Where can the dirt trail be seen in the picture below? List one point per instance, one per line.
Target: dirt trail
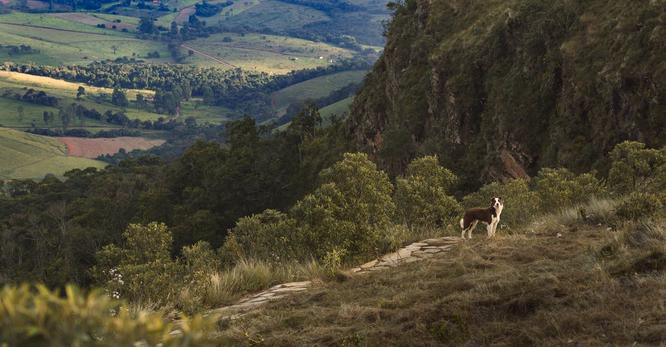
(416, 251)
(209, 56)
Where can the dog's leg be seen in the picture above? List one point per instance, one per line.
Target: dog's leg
(489, 229)
(463, 233)
(471, 228)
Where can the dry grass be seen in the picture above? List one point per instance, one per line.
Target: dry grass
(48, 82)
(588, 287)
(248, 276)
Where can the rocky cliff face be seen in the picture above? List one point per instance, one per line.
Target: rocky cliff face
(500, 88)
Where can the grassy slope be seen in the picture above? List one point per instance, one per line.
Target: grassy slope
(314, 88)
(16, 82)
(338, 108)
(62, 41)
(268, 53)
(25, 155)
(589, 286)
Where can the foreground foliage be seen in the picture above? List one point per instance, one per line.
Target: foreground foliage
(37, 316)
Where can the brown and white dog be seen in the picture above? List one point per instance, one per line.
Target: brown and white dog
(489, 216)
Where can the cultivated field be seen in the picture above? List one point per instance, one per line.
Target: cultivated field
(267, 53)
(271, 14)
(25, 155)
(313, 89)
(93, 19)
(64, 40)
(92, 148)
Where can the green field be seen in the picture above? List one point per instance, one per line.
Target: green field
(62, 41)
(272, 15)
(267, 53)
(336, 109)
(313, 89)
(25, 155)
(96, 98)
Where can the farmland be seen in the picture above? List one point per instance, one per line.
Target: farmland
(92, 148)
(266, 53)
(66, 40)
(25, 155)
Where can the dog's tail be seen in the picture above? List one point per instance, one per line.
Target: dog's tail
(462, 223)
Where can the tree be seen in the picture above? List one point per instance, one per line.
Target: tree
(350, 212)
(140, 270)
(637, 168)
(65, 114)
(80, 92)
(140, 100)
(114, 48)
(561, 188)
(119, 98)
(208, 96)
(174, 29)
(19, 113)
(422, 195)
(146, 25)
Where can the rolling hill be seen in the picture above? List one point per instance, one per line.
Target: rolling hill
(25, 155)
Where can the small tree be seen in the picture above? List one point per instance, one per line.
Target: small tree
(141, 270)
(19, 113)
(350, 212)
(119, 98)
(422, 194)
(561, 188)
(635, 167)
(80, 92)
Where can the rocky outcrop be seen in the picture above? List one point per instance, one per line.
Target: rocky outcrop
(500, 89)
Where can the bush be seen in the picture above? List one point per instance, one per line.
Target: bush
(37, 316)
(635, 168)
(349, 212)
(560, 188)
(520, 204)
(422, 197)
(639, 206)
(270, 236)
(142, 270)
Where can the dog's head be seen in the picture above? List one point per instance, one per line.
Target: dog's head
(497, 203)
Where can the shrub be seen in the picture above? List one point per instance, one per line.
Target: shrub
(142, 269)
(635, 167)
(560, 188)
(349, 211)
(37, 316)
(520, 204)
(422, 197)
(270, 236)
(639, 206)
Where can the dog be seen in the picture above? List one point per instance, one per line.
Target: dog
(489, 216)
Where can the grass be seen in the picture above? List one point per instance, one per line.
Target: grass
(267, 53)
(339, 109)
(270, 14)
(588, 286)
(248, 276)
(69, 41)
(25, 155)
(66, 91)
(313, 89)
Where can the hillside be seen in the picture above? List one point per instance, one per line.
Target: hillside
(544, 285)
(501, 88)
(31, 156)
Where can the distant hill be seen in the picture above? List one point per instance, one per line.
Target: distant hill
(502, 88)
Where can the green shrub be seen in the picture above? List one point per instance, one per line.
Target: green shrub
(422, 197)
(142, 270)
(560, 188)
(636, 168)
(270, 236)
(37, 316)
(639, 206)
(520, 204)
(350, 211)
